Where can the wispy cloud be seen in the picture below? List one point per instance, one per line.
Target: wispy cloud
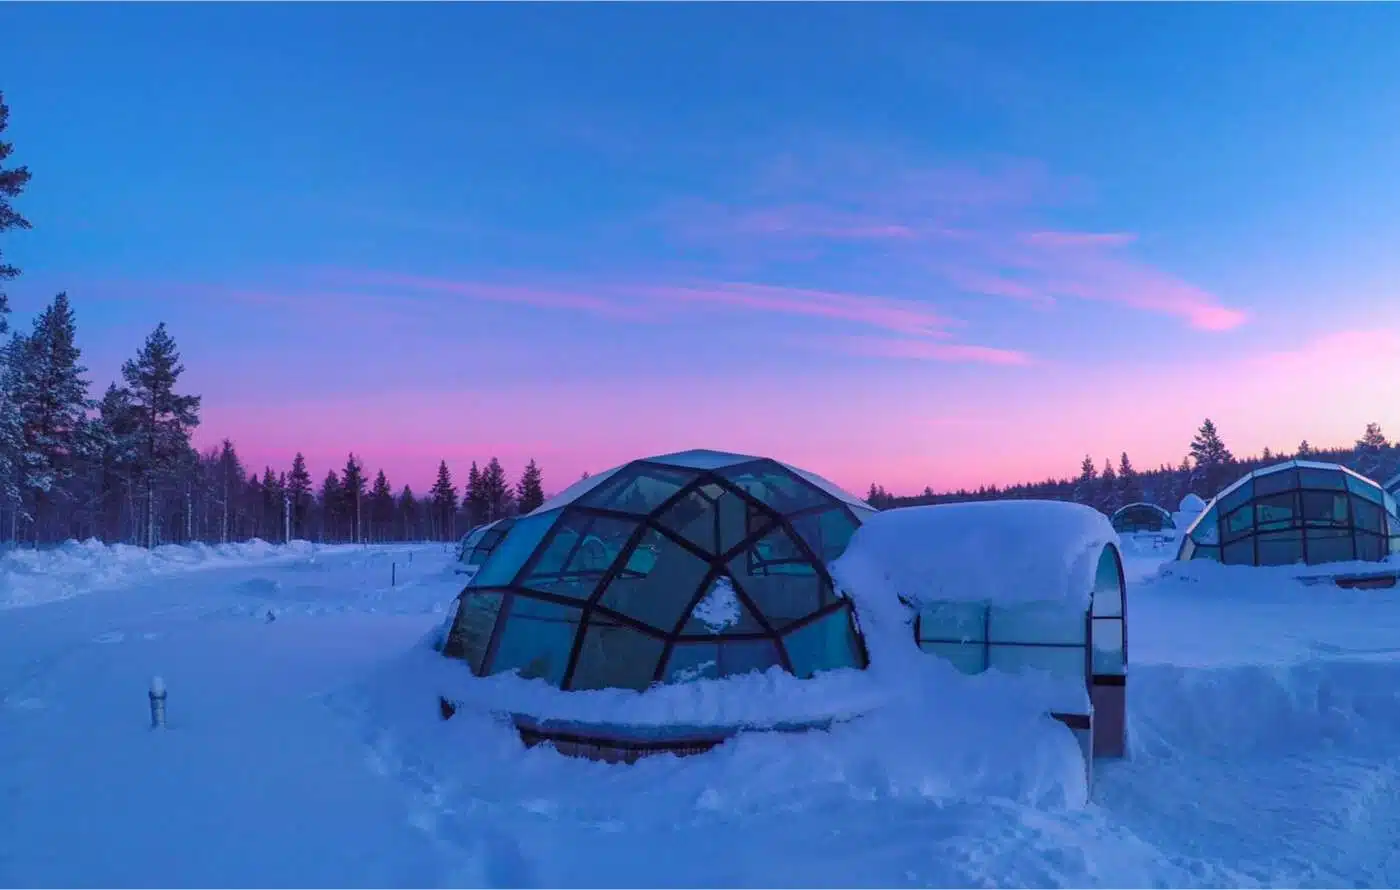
(924, 350)
(977, 230)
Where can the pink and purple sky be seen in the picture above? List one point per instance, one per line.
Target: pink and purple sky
(935, 244)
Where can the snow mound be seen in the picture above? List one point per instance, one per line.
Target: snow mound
(1004, 552)
(36, 577)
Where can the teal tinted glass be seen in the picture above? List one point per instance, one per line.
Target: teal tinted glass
(826, 644)
(510, 555)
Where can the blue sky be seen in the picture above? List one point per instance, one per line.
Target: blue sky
(1002, 214)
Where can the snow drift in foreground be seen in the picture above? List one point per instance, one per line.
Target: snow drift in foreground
(34, 577)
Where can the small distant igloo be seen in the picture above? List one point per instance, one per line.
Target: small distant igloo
(696, 565)
(478, 544)
(1296, 512)
(1141, 517)
(1012, 586)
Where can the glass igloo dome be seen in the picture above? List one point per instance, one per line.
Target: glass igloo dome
(700, 564)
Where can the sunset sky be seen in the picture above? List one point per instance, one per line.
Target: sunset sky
(920, 244)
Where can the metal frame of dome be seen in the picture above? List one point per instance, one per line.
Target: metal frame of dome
(1140, 508)
(479, 543)
(1297, 479)
(1393, 485)
(775, 522)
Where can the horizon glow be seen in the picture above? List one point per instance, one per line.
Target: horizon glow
(968, 248)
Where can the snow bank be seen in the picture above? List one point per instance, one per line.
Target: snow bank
(1002, 552)
(35, 577)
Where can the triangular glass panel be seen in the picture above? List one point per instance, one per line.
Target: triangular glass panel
(638, 489)
(694, 517)
(721, 611)
(656, 585)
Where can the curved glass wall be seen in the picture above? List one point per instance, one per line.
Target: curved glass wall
(1296, 512)
(694, 565)
(1088, 648)
(1134, 518)
(480, 542)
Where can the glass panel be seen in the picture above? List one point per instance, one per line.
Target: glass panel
(771, 484)
(1368, 516)
(1325, 508)
(747, 656)
(1333, 480)
(1204, 552)
(953, 622)
(472, 537)
(826, 644)
(510, 555)
(1272, 483)
(826, 486)
(695, 517)
(692, 661)
(1329, 545)
(709, 661)
(1242, 495)
(1108, 587)
(616, 656)
(536, 639)
(782, 597)
(1035, 623)
(1281, 548)
(1108, 647)
(720, 611)
(1238, 553)
(777, 553)
(1188, 549)
(1367, 490)
(1277, 511)
(660, 597)
(471, 630)
(1370, 547)
(702, 459)
(970, 658)
(1062, 662)
(1207, 529)
(1390, 505)
(1240, 522)
(862, 514)
(578, 553)
(639, 489)
(827, 533)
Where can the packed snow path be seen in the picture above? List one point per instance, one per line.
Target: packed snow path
(1264, 715)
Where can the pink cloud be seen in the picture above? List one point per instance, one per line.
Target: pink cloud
(903, 316)
(925, 350)
(1081, 239)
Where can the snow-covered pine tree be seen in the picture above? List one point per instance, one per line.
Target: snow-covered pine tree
(53, 404)
(529, 494)
(164, 418)
(444, 501)
(1211, 458)
(1371, 452)
(117, 462)
(12, 183)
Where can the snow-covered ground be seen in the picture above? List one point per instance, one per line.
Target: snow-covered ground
(301, 751)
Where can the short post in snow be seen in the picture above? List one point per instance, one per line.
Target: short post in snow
(393, 574)
(157, 695)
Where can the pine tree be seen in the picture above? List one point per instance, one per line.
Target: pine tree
(228, 480)
(1304, 450)
(1109, 496)
(12, 183)
(529, 494)
(332, 509)
(299, 490)
(1085, 485)
(1267, 454)
(271, 489)
(1370, 451)
(165, 419)
(352, 486)
(118, 459)
(408, 516)
(474, 498)
(1211, 457)
(52, 402)
(381, 508)
(495, 489)
(1129, 485)
(444, 500)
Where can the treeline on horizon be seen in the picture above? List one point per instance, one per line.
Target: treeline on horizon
(1207, 467)
(122, 468)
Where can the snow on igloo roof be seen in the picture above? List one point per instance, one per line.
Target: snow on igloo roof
(1004, 552)
(1191, 503)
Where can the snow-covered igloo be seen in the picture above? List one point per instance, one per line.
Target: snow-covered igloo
(1011, 585)
(1297, 511)
(688, 566)
(1141, 517)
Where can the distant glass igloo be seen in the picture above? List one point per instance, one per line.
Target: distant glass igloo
(1141, 517)
(1296, 511)
(693, 565)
